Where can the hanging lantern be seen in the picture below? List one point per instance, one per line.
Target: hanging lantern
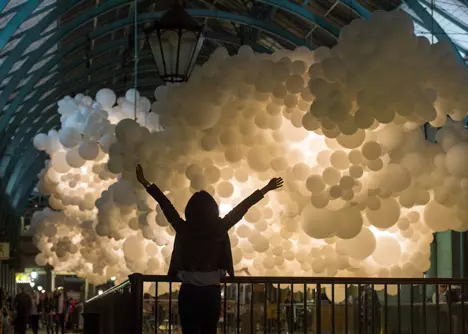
(175, 41)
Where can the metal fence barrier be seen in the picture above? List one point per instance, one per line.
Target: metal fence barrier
(293, 305)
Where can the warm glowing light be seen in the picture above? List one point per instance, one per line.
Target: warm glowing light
(364, 191)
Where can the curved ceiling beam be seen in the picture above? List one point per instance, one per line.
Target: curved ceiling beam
(46, 120)
(20, 16)
(223, 37)
(123, 42)
(304, 13)
(21, 200)
(21, 125)
(37, 12)
(26, 158)
(446, 15)
(433, 26)
(100, 49)
(41, 120)
(26, 181)
(358, 8)
(33, 35)
(29, 86)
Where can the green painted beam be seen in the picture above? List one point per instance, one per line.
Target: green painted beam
(444, 254)
(435, 27)
(304, 13)
(112, 26)
(21, 142)
(445, 15)
(19, 8)
(27, 179)
(67, 87)
(103, 48)
(114, 45)
(20, 136)
(27, 157)
(20, 16)
(33, 35)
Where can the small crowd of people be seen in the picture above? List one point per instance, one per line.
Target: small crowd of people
(51, 311)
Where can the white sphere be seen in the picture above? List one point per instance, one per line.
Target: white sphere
(69, 137)
(88, 150)
(106, 97)
(41, 141)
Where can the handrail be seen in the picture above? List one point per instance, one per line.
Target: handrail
(321, 280)
(122, 313)
(108, 291)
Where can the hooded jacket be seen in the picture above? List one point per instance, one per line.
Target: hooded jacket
(202, 242)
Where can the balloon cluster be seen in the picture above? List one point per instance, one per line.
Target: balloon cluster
(364, 190)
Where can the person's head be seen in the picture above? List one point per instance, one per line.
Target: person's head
(21, 289)
(202, 207)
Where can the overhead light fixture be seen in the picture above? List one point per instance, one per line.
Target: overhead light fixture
(175, 41)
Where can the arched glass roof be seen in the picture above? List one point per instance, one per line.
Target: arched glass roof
(52, 48)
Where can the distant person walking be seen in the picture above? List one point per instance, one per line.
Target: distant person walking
(60, 311)
(202, 252)
(34, 317)
(49, 309)
(22, 305)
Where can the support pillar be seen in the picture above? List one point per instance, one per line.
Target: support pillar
(462, 254)
(52, 280)
(48, 285)
(86, 291)
(444, 254)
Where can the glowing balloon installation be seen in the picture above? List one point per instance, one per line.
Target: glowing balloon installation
(364, 191)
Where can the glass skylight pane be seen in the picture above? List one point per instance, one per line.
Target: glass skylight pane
(49, 28)
(12, 4)
(39, 64)
(12, 43)
(35, 45)
(5, 82)
(31, 22)
(4, 20)
(47, 94)
(45, 3)
(18, 64)
(24, 81)
(43, 80)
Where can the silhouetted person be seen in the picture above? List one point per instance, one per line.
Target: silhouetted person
(370, 311)
(60, 310)
(49, 309)
(202, 252)
(34, 317)
(23, 310)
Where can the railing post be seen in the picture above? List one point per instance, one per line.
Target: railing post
(136, 301)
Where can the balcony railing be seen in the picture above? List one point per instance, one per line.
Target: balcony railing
(148, 304)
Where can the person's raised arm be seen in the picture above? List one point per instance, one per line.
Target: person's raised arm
(236, 214)
(167, 208)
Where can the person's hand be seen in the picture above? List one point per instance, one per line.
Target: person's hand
(141, 176)
(274, 183)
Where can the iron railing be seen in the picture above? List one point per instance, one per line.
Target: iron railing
(293, 305)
